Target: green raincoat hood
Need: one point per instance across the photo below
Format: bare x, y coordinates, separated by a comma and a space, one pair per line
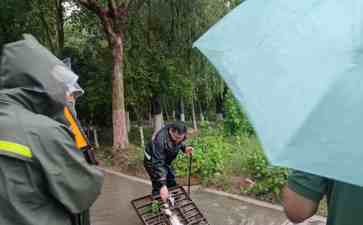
32, 76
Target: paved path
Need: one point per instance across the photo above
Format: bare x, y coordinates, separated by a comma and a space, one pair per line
114, 208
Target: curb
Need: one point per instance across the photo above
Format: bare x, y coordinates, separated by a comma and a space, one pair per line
141, 180
245, 199
136, 179
262, 204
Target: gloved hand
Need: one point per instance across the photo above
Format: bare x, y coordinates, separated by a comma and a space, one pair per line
189, 150
164, 193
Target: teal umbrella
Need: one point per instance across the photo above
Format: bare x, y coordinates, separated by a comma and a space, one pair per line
296, 67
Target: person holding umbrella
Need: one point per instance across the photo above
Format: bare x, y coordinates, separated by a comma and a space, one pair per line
303, 94
303, 193
160, 152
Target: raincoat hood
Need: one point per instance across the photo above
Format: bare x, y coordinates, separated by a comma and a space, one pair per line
33, 77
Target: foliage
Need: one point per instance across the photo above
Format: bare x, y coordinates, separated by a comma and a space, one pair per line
210, 156
95, 105
217, 156
136, 158
269, 179
155, 207
158, 59
12, 24
235, 121
105, 154
35, 17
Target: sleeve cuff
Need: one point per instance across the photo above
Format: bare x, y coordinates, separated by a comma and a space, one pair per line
305, 191
183, 147
163, 181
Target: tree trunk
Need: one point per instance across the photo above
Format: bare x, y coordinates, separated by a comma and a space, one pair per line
173, 114
201, 116
195, 126
201, 111
219, 107
181, 109
220, 103
165, 111
151, 122
157, 113
128, 124
142, 138
60, 26
95, 136
120, 138
158, 122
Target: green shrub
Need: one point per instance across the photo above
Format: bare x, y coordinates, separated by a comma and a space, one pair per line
217, 155
136, 159
210, 155
269, 179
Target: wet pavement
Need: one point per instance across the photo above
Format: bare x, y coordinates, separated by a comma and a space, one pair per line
220, 210
113, 206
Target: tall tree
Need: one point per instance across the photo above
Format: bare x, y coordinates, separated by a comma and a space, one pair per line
60, 24
114, 17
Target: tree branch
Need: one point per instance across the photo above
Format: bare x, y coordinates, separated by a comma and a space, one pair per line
94, 6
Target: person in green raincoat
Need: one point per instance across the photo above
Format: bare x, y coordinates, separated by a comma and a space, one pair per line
44, 178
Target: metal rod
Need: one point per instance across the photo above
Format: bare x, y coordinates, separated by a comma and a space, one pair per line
189, 173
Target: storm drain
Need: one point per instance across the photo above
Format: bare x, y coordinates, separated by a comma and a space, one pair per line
151, 210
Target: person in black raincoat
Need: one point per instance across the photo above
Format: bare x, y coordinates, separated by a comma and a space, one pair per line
160, 152
44, 178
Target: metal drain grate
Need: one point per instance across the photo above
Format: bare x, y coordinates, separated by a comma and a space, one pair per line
185, 209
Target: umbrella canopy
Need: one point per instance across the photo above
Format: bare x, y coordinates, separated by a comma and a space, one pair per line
296, 67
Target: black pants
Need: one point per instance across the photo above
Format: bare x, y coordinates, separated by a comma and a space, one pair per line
156, 184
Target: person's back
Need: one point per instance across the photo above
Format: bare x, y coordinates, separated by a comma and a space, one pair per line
305, 191
43, 177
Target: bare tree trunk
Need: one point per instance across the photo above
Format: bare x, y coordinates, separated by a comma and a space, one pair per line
173, 114
195, 126
201, 113
157, 113
141, 130
128, 124
167, 117
118, 102
158, 122
60, 25
151, 122
219, 108
220, 98
95, 136
182, 110
202, 117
